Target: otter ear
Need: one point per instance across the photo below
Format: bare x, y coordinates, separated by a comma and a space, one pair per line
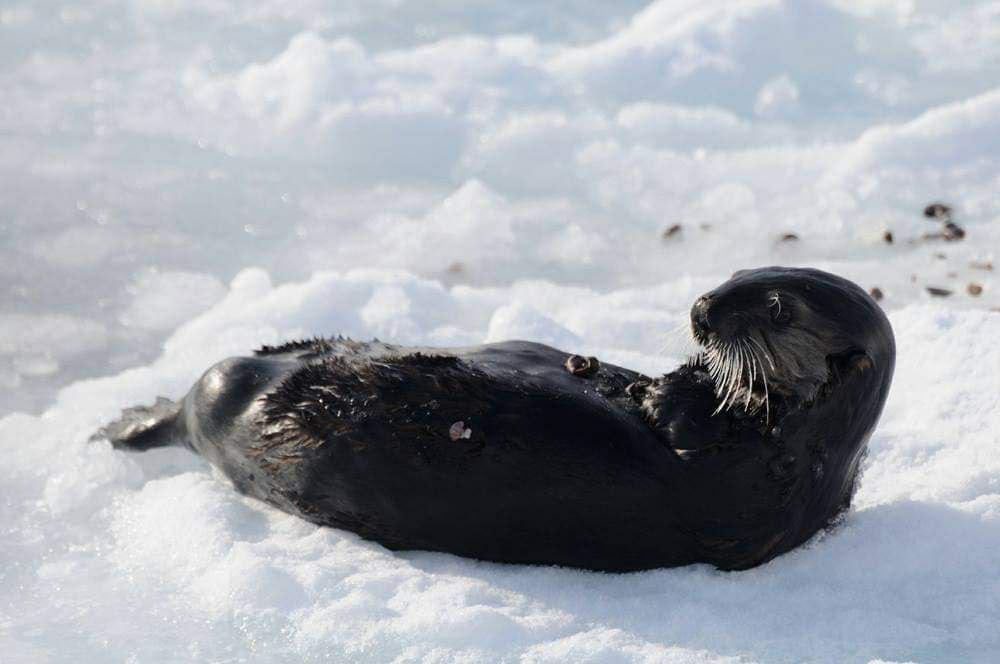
860, 363
738, 273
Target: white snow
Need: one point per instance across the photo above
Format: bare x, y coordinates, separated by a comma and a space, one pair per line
447, 173
155, 305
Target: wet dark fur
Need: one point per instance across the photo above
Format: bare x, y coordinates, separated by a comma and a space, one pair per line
613, 471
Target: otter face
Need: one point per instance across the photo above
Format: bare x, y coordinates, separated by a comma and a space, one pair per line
774, 331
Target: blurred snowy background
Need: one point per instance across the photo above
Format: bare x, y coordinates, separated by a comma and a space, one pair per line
450, 172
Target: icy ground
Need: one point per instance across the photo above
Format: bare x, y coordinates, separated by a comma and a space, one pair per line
181, 181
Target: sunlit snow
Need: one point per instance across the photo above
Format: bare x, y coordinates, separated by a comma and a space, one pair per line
181, 181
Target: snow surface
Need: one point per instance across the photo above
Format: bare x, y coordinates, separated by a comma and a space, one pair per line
185, 180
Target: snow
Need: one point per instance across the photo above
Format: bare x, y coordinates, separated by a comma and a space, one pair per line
185, 181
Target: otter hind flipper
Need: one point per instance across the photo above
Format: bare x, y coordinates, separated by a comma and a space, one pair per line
142, 428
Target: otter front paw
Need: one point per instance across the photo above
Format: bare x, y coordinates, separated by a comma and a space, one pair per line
680, 406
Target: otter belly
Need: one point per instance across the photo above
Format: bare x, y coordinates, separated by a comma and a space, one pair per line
496, 452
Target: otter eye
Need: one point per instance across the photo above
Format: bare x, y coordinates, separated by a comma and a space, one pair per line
780, 315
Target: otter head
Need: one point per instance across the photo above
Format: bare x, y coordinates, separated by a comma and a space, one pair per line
787, 333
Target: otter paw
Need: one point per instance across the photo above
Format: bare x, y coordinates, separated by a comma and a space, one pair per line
681, 407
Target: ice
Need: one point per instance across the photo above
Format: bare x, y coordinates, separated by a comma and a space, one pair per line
184, 181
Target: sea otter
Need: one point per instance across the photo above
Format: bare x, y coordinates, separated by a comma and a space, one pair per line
521, 453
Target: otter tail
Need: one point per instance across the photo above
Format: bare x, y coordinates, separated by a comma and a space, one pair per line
142, 428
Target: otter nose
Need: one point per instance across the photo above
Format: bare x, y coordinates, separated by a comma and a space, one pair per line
699, 316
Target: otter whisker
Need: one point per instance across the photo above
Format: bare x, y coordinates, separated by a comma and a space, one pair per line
728, 386
734, 367
766, 354
719, 408
724, 381
718, 374
756, 363
744, 369
709, 357
737, 377
716, 360
678, 340
730, 371
767, 396
763, 372
751, 372
725, 363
